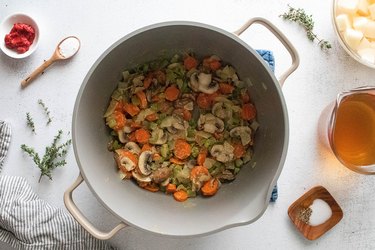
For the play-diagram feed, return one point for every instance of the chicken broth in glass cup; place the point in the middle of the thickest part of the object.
(347, 128)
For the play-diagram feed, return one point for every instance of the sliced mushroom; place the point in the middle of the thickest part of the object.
(123, 161)
(222, 153)
(133, 147)
(144, 162)
(185, 103)
(243, 132)
(161, 174)
(222, 110)
(210, 123)
(203, 82)
(140, 177)
(122, 134)
(226, 176)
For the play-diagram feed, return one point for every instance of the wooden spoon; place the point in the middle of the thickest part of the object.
(62, 52)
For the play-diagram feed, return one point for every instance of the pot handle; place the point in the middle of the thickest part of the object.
(282, 38)
(81, 219)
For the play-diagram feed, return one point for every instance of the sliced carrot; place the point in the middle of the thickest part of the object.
(128, 154)
(147, 82)
(171, 188)
(131, 109)
(155, 98)
(156, 157)
(226, 88)
(210, 187)
(245, 98)
(151, 187)
(142, 98)
(203, 101)
(132, 136)
(180, 195)
(201, 158)
(248, 111)
(182, 149)
(215, 65)
(197, 172)
(186, 114)
(190, 62)
(146, 147)
(239, 150)
(142, 135)
(152, 117)
(177, 161)
(212, 64)
(120, 120)
(172, 93)
(119, 106)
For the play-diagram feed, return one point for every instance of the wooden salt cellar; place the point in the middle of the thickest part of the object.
(305, 201)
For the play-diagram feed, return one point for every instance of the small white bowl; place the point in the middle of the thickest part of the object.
(6, 26)
(342, 41)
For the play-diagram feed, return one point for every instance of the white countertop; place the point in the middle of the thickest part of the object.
(316, 82)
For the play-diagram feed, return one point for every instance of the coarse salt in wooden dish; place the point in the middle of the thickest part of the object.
(327, 213)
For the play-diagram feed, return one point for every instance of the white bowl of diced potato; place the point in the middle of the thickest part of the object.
(354, 22)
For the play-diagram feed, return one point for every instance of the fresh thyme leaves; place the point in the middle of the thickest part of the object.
(53, 156)
(30, 122)
(46, 111)
(299, 16)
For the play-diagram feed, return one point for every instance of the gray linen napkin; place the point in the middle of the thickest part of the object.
(27, 222)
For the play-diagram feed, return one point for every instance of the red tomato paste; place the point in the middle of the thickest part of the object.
(20, 37)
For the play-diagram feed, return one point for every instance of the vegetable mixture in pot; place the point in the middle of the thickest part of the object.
(181, 126)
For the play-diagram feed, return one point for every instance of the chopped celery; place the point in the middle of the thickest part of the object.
(236, 170)
(111, 108)
(181, 187)
(164, 150)
(117, 95)
(191, 193)
(152, 125)
(135, 100)
(238, 163)
(194, 151)
(154, 106)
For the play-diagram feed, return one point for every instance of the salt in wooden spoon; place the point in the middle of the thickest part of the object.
(66, 49)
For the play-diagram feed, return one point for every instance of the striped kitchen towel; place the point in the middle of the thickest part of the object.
(27, 222)
(5, 134)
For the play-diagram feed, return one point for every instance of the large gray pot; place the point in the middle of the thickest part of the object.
(241, 202)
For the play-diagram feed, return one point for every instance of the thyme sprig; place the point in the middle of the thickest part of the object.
(299, 16)
(30, 122)
(46, 111)
(53, 156)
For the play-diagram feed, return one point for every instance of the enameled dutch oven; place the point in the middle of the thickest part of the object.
(241, 202)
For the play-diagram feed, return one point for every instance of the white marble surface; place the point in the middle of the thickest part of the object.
(316, 82)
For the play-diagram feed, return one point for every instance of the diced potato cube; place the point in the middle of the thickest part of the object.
(367, 54)
(353, 38)
(347, 6)
(369, 30)
(364, 44)
(371, 9)
(359, 23)
(343, 22)
(363, 8)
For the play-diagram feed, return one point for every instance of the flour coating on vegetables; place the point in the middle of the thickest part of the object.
(181, 125)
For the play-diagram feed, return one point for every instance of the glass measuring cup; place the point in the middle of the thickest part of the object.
(347, 128)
